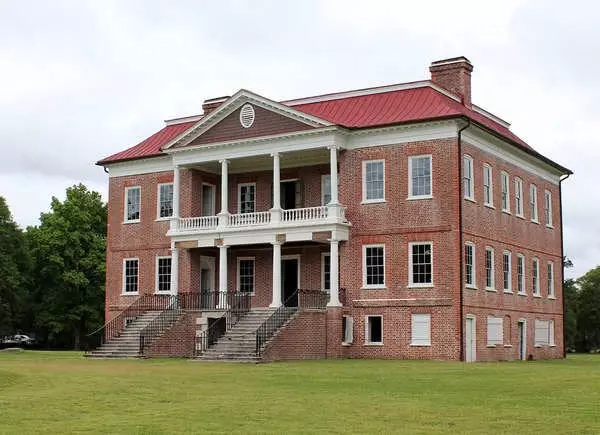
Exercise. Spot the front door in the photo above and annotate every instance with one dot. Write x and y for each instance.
(521, 339)
(288, 194)
(289, 281)
(470, 343)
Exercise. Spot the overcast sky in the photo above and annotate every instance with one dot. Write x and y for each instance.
(80, 80)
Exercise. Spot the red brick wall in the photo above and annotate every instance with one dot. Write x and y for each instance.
(177, 341)
(303, 338)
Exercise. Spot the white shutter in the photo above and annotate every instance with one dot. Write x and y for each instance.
(495, 332)
(421, 330)
(551, 332)
(541, 332)
(348, 329)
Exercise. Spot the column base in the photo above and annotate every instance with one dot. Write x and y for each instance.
(275, 215)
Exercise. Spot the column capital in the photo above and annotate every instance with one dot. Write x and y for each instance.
(277, 242)
(334, 146)
(224, 161)
(276, 154)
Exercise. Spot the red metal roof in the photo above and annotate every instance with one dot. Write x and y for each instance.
(377, 109)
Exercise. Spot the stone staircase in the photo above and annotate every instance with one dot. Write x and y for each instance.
(239, 343)
(127, 343)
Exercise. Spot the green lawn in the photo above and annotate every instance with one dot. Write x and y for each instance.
(52, 392)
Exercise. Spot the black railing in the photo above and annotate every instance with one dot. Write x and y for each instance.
(238, 305)
(161, 323)
(275, 321)
(312, 299)
(141, 305)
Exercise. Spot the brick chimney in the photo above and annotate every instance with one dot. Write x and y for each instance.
(454, 75)
(211, 104)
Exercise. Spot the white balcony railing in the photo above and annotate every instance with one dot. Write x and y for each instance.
(247, 219)
(304, 214)
(198, 223)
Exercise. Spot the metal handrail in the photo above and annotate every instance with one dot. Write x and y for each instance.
(312, 299)
(161, 323)
(275, 321)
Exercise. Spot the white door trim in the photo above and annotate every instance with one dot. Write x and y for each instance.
(470, 341)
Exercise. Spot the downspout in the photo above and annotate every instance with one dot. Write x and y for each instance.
(460, 247)
(562, 260)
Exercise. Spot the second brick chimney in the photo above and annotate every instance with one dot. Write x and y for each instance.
(454, 75)
(211, 104)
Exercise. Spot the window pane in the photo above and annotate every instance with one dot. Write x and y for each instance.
(165, 198)
(247, 198)
(421, 176)
(374, 260)
(489, 268)
(375, 329)
(133, 203)
(506, 271)
(131, 276)
(421, 264)
(374, 180)
(326, 186)
(208, 200)
(246, 276)
(164, 274)
(469, 265)
(326, 272)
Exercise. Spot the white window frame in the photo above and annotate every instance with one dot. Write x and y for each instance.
(505, 189)
(156, 276)
(519, 198)
(124, 278)
(504, 272)
(533, 205)
(495, 331)
(253, 274)
(472, 284)
(368, 341)
(410, 178)
(214, 198)
(364, 181)
(326, 259)
(492, 287)
(239, 202)
(364, 264)
(521, 281)
(544, 333)
(467, 159)
(548, 208)
(324, 178)
(158, 201)
(535, 277)
(348, 337)
(550, 280)
(488, 190)
(411, 283)
(424, 319)
(125, 214)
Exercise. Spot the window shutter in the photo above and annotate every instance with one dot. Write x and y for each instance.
(299, 194)
(495, 333)
(551, 332)
(348, 327)
(541, 332)
(421, 329)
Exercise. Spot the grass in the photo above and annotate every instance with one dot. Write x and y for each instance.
(60, 392)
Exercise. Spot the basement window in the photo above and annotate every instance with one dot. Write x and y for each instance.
(374, 330)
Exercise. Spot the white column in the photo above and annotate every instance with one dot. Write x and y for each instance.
(223, 276)
(176, 187)
(276, 303)
(334, 273)
(174, 270)
(224, 214)
(276, 210)
(333, 170)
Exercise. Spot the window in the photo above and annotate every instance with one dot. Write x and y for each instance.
(421, 330)
(494, 331)
(373, 266)
(489, 268)
(373, 181)
(505, 192)
(246, 197)
(373, 330)
(488, 186)
(419, 170)
(520, 274)
(506, 272)
(325, 272)
(548, 208)
(470, 265)
(208, 199)
(246, 274)
(550, 280)
(535, 276)
(347, 329)
(132, 204)
(420, 264)
(325, 189)
(163, 274)
(165, 200)
(533, 202)
(544, 332)
(468, 177)
(130, 275)
(518, 197)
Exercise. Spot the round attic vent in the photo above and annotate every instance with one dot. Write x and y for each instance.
(247, 116)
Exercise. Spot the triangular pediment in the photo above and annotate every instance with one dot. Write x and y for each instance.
(246, 115)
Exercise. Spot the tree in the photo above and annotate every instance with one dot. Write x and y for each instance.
(68, 250)
(571, 313)
(588, 316)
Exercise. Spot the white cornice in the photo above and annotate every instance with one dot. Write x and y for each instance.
(401, 134)
(183, 119)
(141, 166)
(490, 116)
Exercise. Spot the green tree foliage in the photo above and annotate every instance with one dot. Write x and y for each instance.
(68, 251)
(588, 315)
(14, 266)
(571, 313)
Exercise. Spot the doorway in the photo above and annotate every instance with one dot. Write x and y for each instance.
(521, 340)
(288, 197)
(290, 280)
(470, 339)
(207, 282)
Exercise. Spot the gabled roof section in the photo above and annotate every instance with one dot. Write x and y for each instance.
(234, 103)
